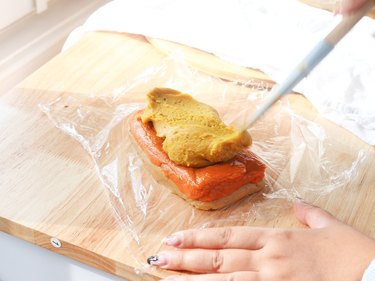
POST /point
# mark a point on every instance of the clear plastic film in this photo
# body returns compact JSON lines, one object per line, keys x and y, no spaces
{"x":298,"y":151}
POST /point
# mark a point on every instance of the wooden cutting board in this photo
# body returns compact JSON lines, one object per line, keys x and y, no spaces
{"x":48,"y":185}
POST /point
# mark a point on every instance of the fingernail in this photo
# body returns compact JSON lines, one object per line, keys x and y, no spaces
{"x":174,"y":240}
{"x":158,"y":260}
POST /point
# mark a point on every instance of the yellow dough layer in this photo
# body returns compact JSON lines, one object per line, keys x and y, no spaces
{"x":193,"y":132}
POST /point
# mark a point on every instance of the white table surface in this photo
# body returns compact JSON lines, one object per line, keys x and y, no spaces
{"x":23,"y":261}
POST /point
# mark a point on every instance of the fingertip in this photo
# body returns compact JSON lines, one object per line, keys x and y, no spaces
{"x":300,"y":209}
{"x":161,"y":260}
{"x":349,"y":6}
{"x":311,"y":215}
{"x":174,"y":240}
{"x":300,"y":204}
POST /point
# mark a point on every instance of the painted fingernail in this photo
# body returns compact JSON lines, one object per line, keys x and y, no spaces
{"x":174,"y":240}
{"x":158,"y":260}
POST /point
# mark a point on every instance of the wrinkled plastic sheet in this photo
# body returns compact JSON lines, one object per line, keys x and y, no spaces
{"x":302,"y":156}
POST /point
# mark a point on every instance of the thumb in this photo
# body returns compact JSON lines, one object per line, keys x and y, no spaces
{"x":313,"y":216}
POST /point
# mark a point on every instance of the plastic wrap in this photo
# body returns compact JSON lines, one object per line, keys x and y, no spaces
{"x":298,"y":151}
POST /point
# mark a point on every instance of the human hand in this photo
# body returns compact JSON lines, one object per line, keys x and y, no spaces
{"x":328,"y":251}
{"x":350,"y":6}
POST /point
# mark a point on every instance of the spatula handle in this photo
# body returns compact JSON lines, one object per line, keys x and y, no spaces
{"x":347,"y":23}
{"x":314,"y":57}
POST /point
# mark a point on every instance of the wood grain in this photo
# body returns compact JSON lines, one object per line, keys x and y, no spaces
{"x":212,"y":65}
{"x":48,"y":186}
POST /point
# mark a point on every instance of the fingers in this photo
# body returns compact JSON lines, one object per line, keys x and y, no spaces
{"x":313,"y":216}
{"x":350,"y":6}
{"x":235,"y":276}
{"x":218,"y":238}
{"x":208,"y":261}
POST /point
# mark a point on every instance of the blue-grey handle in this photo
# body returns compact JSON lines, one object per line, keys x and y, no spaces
{"x":315,"y":56}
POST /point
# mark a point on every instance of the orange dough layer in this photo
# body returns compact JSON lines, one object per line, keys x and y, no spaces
{"x":203,"y":184}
